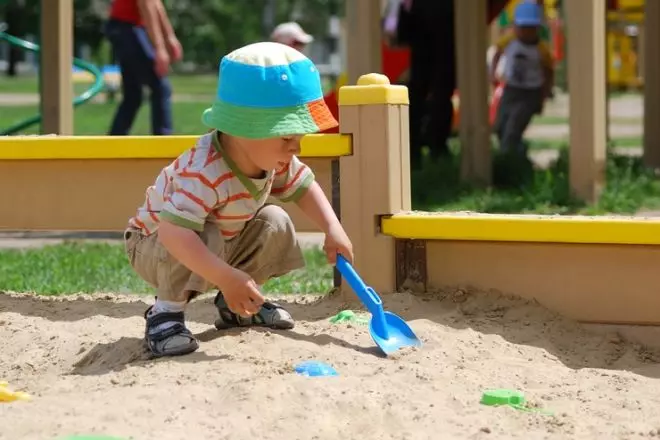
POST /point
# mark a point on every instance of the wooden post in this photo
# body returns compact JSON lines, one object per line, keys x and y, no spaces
{"x":364,"y":38}
{"x":585,"y":21}
{"x":375,"y":180}
{"x":651,"y":76}
{"x":55,"y":67}
{"x":472,"y":79}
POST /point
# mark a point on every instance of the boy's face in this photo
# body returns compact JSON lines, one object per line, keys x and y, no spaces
{"x":527,"y":34}
{"x":270,"y":154}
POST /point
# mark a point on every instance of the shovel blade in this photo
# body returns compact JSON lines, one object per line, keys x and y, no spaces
{"x":399,"y":334}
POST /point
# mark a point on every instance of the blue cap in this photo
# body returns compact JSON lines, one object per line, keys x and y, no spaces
{"x":528,"y":13}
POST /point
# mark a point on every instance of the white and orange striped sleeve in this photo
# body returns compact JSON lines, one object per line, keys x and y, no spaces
{"x":192,"y":193}
{"x":292,"y":181}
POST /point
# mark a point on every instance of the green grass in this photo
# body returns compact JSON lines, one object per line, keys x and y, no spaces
{"x":518,"y":188}
{"x":94,"y":119}
{"x":561,"y":144}
{"x":84,"y":267}
{"x":204,"y":85}
{"x":562,"y":120}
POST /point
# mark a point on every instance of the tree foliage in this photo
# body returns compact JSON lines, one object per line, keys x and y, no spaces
{"x":207,"y":29}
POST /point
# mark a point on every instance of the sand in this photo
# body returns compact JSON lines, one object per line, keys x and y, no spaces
{"x":83,"y":362}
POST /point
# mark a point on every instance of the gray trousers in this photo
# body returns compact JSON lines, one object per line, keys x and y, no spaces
{"x":516,"y":110}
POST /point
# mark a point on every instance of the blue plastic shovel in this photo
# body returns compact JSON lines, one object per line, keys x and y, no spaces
{"x":388,"y":330}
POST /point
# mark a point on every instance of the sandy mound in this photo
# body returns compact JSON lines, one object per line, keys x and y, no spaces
{"x":82,"y":360}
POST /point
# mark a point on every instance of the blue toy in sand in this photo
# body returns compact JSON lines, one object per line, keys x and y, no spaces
{"x":388,"y":330}
{"x":315,"y":368}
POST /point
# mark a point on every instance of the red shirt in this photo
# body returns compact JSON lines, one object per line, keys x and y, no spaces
{"x":126,"y":10}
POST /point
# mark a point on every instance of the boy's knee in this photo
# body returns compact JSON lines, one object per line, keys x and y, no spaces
{"x":269,"y":246}
{"x":277,"y":219}
{"x":276,"y":232}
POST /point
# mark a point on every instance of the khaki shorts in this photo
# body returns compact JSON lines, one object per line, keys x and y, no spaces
{"x":266,"y":248}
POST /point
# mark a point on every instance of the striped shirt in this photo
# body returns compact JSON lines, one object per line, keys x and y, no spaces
{"x":204,"y":185}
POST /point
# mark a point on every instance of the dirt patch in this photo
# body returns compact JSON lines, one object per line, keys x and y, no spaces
{"x":82,"y":360}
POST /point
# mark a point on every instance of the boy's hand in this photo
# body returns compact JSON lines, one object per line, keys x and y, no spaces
{"x":337,"y":242}
{"x":242,"y":294}
{"x":317,"y":208}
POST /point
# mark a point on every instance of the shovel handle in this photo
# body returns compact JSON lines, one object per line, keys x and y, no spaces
{"x":366,"y":294}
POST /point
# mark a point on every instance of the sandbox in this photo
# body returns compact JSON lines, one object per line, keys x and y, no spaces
{"x":582,"y":267}
{"x":82,"y":360}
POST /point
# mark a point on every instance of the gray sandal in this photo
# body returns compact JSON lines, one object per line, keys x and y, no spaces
{"x":271,"y":315}
{"x":174,"y":340}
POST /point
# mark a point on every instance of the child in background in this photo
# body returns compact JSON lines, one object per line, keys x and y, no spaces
{"x":291,"y":34}
{"x":528,"y":76}
{"x":205,"y":222}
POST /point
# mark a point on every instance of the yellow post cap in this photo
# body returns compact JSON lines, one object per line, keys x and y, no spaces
{"x":372,"y":79}
{"x":373,"y":89}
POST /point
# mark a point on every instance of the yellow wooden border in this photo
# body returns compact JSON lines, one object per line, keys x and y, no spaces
{"x":522,"y":228}
{"x":141,"y":147}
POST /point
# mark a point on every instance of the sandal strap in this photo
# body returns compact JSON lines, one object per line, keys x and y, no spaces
{"x":272,"y":305}
{"x":229,"y":316}
{"x":161,"y":318}
{"x":176,"y":329}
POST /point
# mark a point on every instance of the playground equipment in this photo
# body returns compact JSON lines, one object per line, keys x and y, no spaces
{"x":96,"y":87}
{"x":624,"y":36}
{"x":111,"y":78}
{"x":592,"y":269}
{"x":99,"y":160}
{"x":625,"y":29}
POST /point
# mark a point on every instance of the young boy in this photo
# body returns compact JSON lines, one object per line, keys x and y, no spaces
{"x":528,"y":76}
{"x":205,"y":222}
